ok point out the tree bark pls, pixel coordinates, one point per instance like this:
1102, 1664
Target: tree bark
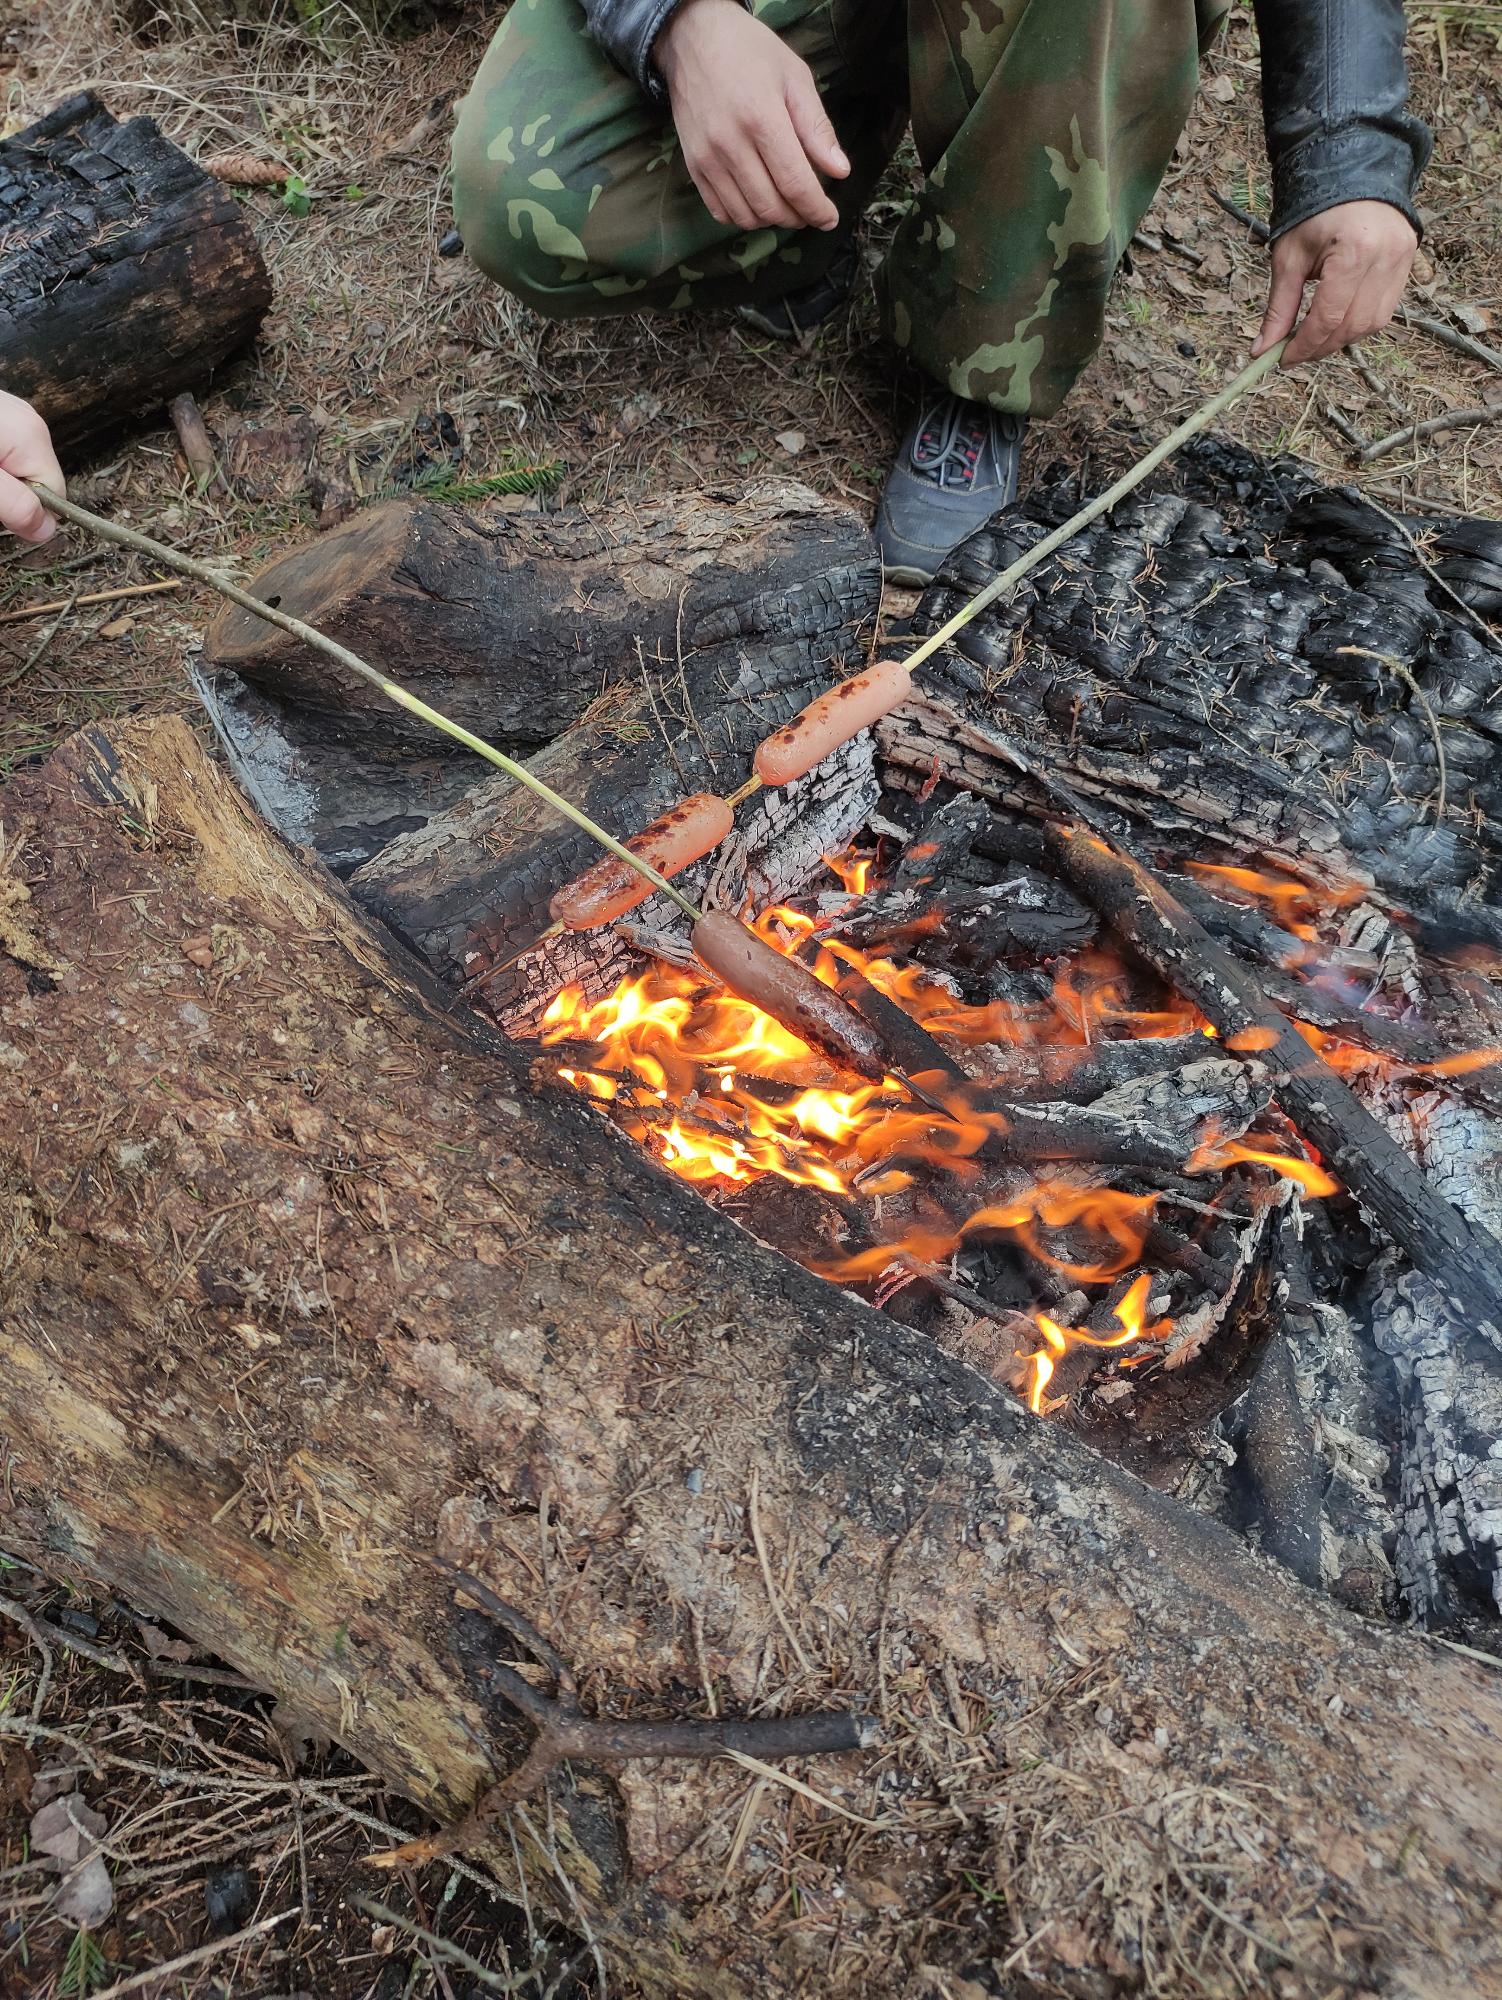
126, 272
303, 1284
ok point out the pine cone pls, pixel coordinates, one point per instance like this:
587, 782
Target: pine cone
244, 170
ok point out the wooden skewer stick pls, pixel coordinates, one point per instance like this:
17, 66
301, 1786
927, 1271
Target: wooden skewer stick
1205, 415
1254, 372
131, 538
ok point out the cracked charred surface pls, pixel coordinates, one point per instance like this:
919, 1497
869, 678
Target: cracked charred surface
1257, 675
126, 272
302, 1283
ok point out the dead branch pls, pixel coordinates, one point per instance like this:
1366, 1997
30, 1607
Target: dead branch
1451, 420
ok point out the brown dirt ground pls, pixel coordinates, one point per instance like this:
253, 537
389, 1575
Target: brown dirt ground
406, 365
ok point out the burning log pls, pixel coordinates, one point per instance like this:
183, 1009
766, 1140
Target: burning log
543, 1362
1462, 1257
126, 272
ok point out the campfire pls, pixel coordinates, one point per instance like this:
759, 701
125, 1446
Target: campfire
912, 1195
1097, 1167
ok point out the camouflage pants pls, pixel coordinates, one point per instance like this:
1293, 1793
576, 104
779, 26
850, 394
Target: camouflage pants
1043, 128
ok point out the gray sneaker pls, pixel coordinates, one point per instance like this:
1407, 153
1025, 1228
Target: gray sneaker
957, 465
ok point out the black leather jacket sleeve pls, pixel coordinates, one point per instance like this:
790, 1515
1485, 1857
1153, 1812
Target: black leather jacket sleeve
626, 30
1335, 107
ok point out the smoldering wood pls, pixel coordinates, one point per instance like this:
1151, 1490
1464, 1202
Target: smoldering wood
523, 1336
1463, 1258
1179, 673
127, 274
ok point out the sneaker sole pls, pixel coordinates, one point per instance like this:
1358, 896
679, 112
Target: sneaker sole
904, 573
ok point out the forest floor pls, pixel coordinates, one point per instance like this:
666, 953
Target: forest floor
383, 368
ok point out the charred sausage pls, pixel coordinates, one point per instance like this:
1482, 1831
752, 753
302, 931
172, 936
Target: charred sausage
789, 992
606, 891
830, 720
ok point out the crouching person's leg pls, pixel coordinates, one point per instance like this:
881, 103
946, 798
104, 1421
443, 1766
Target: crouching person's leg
1044, 131
1044, 127
570, 190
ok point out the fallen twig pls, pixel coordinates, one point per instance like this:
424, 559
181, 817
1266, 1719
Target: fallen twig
369, 1907
1450, 336
1450, 420
1252, 223
562, 1732
1345, 427
89, 597
158, 1975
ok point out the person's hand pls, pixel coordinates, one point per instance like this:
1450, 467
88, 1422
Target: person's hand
754, 133
1359, 255
26, 453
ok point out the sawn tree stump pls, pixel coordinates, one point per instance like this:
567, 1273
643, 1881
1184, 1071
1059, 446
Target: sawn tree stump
304, 1284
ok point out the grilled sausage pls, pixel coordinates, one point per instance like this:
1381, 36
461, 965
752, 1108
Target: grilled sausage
789, 992
830, 720
606, 891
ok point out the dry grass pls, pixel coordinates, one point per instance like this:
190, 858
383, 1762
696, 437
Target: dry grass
407, 364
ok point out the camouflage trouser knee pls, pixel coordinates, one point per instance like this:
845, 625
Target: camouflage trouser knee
1043, 128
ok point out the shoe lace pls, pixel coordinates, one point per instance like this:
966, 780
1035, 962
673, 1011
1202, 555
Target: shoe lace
952, 434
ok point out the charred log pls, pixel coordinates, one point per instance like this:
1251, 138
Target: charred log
1178, 673
776, 595
514, 624
126, 272
1462, 1258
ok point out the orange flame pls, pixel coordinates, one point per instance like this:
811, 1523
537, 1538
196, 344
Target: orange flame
722, 1095
1214, 1154
1131, 1311
1290, 902
853, 870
